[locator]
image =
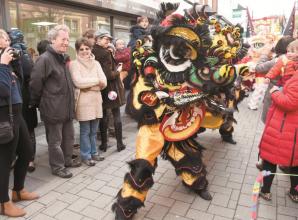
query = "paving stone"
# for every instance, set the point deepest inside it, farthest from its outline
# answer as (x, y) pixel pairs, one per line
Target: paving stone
(233, 185)
(179, 208)
(110, 191)
(48, 198)
(79, 205)
(165, 201)
(284, 217)
(220, 189)
(184, 197)
(174, 217)
(157, 212)
(68, 198)
(232, 204)
(220, 181)
(40, 216)
(77, 188)
(220, 218)
(88, 194)
(64, 187)
(33, 208)
(282, 210)
(79, 178)
(55, 208)
(93, 212)
(243, 213)
(67, 214)
(245, 200)
(102, 201)
(96, 185)
(238, 178)
(220, 199)
(165, 191)
(221, 211)
(235, 194)
(266, 211)
(198, 215)
(104, 177)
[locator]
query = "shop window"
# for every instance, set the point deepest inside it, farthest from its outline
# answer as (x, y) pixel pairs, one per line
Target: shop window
(36, 19)
(121, 28)
(102, 23)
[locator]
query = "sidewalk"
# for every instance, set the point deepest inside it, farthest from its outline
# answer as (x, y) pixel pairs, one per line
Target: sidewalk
(90, 193)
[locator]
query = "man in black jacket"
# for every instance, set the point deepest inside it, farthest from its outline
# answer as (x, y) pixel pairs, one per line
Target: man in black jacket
(52, 91)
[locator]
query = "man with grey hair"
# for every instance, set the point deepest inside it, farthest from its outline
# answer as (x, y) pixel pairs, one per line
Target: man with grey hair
(52, 92)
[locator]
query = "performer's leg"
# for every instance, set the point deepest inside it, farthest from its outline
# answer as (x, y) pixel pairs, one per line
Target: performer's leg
(186, 156)
(226, 133)
(138, 181)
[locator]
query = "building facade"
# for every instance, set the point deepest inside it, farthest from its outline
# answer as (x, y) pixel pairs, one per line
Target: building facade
(36, 17)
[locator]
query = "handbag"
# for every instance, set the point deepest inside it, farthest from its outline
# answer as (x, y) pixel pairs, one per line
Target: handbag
(6, 127)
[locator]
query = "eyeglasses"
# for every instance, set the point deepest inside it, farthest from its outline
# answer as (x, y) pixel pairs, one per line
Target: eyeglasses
(86, 48)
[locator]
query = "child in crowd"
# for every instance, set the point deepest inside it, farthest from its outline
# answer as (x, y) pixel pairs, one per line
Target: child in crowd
(138, 31)
(122, 57)
(286, 66)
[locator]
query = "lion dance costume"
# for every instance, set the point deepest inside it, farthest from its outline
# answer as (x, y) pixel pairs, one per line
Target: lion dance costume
(176, 91)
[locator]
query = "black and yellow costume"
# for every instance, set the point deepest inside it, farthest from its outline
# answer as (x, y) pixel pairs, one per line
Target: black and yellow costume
(175, 92)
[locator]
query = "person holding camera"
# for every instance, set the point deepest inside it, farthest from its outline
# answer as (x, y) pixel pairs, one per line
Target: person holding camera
(18, 143)
(26, 65)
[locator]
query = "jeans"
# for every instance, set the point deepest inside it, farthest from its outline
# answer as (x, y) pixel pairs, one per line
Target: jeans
(88, 131)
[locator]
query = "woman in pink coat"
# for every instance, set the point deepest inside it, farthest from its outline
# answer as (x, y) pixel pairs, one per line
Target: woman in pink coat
(279, 145)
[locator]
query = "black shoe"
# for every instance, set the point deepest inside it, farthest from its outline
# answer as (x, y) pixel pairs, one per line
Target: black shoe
(120, 147)
(229, 140)
(31, 167)
(204, 194)
(103, 147)
(74, 163)
(64, 173)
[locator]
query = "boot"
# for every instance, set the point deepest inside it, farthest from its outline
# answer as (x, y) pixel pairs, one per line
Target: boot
(228, 139)
(11, 210)
(118, 133)
(104, 141)
(204, 194)
(23, 195)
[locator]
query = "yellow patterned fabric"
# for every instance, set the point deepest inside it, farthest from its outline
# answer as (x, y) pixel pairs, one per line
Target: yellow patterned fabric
(211, 121)
(175, 154)
(128, 191)
(188, 178)
(149, 143)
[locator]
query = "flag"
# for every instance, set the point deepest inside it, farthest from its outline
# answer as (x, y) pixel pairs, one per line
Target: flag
(290, 27)
(250, 28)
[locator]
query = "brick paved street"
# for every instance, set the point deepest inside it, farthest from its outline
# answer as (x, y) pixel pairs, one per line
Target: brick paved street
(89, 194)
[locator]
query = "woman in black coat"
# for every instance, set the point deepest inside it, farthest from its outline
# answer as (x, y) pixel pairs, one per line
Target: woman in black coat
(113, 95)
(10, 90)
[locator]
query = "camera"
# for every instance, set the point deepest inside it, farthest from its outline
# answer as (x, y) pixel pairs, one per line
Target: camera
(16, 54)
